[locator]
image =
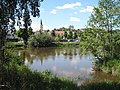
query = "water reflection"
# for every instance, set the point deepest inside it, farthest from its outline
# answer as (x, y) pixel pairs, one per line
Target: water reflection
(60, 61)
(68, 62)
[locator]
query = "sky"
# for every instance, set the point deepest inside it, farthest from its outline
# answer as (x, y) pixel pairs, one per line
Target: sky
(62, 13)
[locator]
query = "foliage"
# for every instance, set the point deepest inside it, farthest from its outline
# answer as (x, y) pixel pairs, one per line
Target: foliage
(106, 17)
(105, 85)
(100, 39)
(97, 41)
(53, 33)
(75, 35)
(70, 35)
(66, 34)
(14, 45)
(66, 44)
(41, 40)
(111, 67)
(22, 33)
(12, 11)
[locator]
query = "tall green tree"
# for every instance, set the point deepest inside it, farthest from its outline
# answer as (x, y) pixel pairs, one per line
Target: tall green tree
(70, 35)
(15, 10)
(75, 35)
(53, 33)
(20, 33)
(66, 34)
(106, 17)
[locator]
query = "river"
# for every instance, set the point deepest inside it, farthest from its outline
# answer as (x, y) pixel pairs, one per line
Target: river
(63, 62)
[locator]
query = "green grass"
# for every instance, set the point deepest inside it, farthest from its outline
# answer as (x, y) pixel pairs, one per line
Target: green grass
(66, 44)
(18, 45)
(105, 85)
(111, 67)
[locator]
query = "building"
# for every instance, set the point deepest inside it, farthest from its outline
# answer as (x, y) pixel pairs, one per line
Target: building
(41, 26)
(59, 32)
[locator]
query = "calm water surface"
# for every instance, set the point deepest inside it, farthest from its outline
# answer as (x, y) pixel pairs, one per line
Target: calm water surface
(67, 62)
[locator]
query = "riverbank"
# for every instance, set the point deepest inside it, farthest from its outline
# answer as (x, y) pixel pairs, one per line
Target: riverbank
(20, 45)
(15, 75)
(66, 44)
(111, 67)
(15, 45)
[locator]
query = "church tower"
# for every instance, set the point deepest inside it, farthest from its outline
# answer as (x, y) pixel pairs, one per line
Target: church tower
(41, 26)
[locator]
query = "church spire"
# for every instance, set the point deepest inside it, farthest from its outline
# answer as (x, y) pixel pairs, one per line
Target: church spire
(41, 25)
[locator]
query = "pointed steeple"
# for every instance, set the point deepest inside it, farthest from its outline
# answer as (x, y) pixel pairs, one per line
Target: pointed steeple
(41, 25)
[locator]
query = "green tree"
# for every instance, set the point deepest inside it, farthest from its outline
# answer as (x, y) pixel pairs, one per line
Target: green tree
(53, 33)
(75, 35)
(41, 40)
(15, 10)
(99, 38)
(70, 35)
(30, 31)
(21, 33)
(106, 17)
(71, 27)
(66, 34)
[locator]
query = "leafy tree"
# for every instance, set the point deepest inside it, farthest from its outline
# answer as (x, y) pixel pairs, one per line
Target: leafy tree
(75, 35)
(65, 35)
(106, 17)
(70, 35)
(41, 40)
(21, 33)
(71, 27)
(30, 31)
(100, 38)
(15, 10)
(53, 33)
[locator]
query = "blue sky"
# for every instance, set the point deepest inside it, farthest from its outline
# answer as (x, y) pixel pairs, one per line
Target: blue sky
(62, 13)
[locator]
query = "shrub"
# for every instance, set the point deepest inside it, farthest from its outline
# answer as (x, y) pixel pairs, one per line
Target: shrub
(41, 40)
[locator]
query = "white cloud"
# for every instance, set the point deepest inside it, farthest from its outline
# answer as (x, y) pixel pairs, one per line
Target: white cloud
(87, 9)
(74, 19)
(66, 6)
(53, 11)
(69, 6)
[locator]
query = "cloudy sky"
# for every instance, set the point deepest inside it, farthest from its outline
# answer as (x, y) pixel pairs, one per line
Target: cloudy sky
(62, 13)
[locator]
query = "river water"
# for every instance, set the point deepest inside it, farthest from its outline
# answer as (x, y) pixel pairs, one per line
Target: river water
(67, 62)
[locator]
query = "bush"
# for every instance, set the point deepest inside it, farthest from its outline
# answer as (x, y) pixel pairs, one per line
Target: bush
(41, 40)
(105, 85)
(111, 67)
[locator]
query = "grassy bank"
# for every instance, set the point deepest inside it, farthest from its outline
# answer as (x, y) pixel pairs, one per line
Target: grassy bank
(111, 67)
(20, 45)
(104, 85)
(15, 45)
(66, 44)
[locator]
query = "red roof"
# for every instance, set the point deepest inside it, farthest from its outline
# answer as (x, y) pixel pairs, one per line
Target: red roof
(59, 32)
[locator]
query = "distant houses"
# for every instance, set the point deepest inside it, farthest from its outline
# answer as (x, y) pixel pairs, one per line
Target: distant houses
(59, 32)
